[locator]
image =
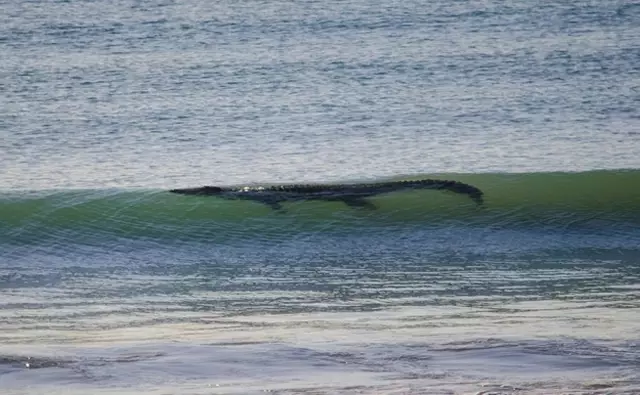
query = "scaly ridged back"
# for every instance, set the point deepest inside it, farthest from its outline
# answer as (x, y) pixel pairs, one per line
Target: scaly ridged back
(380, 187)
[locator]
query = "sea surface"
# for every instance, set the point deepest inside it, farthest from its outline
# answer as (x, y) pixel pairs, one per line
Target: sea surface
(109, 284)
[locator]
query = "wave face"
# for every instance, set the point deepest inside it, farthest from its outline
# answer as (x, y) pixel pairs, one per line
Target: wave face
(595, 202)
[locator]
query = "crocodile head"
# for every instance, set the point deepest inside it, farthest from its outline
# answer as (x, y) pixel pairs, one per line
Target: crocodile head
(206, 190)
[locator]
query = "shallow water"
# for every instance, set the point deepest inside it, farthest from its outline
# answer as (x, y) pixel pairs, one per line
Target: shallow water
(111, 285)
(387, 322)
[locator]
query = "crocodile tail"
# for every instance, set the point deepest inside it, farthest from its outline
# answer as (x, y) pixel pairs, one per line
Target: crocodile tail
(459, 187)
(454, 186)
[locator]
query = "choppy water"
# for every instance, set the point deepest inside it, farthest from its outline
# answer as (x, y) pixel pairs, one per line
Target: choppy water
(111, 285)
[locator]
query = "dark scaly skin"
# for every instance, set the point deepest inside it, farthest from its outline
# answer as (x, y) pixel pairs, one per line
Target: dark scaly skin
(351, 194)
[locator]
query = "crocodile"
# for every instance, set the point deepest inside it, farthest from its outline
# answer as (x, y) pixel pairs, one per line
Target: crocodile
(353, 195)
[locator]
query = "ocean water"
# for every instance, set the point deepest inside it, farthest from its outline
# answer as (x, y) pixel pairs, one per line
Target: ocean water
(109, 284)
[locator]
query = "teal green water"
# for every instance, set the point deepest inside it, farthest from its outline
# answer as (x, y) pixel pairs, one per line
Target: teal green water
(594, 202)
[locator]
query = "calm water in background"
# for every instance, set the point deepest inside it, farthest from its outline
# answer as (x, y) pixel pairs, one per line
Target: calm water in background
(127, 94)
(164, 93)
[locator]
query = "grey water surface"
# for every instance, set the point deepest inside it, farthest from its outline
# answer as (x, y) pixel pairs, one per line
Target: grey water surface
(137, 94)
